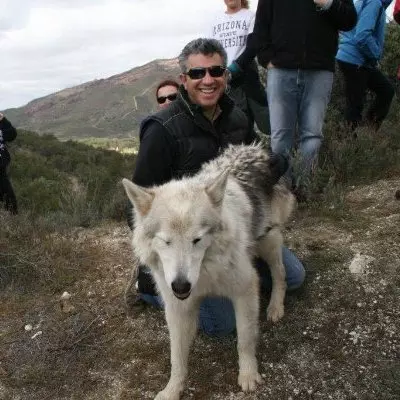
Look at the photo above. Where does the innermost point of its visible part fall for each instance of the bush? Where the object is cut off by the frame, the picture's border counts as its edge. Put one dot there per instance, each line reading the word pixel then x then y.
pixel 68 179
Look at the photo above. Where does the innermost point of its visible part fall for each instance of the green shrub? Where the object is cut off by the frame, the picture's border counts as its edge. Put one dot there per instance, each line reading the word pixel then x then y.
pixel 68 179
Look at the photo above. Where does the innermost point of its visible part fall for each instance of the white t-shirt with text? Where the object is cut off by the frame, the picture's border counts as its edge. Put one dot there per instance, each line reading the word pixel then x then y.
pixel 231 30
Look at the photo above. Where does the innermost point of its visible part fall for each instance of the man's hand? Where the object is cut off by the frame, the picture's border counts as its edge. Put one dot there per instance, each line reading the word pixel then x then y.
pixel 323 4
pixel 1 116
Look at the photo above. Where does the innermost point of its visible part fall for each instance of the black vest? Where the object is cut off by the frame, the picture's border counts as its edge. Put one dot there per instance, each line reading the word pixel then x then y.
pixel 197 139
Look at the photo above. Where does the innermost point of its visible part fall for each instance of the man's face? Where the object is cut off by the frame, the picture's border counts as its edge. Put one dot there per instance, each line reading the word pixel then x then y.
pixel 207 90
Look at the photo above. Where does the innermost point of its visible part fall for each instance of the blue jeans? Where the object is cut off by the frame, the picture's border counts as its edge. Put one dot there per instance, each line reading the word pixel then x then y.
pixel 217 315
pixel 298 99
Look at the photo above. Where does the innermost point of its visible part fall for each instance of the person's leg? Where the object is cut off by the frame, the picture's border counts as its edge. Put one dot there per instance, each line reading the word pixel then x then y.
pixel 317 86
pixel 2 177
pixel 9 197
pixel 217 316
pixel 282 93
pixel 237 93
pixel 355 82
pixel 141 288
pixel 295 272
pixel 257 98
pixel 7 192
pixel 152 299
pixel 146 288
pixel 260 114
pixel 384 93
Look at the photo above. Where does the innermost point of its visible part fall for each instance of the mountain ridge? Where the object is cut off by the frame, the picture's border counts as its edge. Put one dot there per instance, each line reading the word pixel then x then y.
pixel 106 107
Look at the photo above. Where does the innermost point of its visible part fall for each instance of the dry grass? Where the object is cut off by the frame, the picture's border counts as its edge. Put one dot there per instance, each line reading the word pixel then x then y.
pixel 338 339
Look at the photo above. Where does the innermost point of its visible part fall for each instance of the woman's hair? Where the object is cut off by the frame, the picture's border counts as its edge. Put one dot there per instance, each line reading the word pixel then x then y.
pixel 245 4
pixel 167 82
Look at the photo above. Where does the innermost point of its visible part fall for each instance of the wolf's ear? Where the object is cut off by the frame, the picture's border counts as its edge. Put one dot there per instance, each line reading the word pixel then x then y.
pixel 278 165
pixel 216 189
pixel 140 197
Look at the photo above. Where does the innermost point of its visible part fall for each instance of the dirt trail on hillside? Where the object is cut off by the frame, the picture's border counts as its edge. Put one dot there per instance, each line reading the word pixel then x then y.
pixel 339 338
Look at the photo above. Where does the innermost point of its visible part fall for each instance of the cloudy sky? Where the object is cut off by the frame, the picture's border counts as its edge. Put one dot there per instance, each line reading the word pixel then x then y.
pixel 49 45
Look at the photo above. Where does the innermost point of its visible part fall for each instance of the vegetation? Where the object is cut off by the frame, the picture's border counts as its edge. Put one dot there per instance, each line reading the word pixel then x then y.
pixel 68 181
pixel 124 145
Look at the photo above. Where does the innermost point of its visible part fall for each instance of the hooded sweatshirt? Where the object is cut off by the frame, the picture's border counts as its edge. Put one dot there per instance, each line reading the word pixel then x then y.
pixel 7 134
pixel 363 45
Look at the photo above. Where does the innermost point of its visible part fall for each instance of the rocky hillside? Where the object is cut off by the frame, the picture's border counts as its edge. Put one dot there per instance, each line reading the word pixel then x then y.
pixel 111 107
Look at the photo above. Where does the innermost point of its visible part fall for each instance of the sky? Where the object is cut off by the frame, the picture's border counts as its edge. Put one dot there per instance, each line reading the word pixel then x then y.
pixel 49 45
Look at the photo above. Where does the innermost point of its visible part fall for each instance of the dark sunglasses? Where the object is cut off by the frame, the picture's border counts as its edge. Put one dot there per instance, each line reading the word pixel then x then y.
pixel 216 71
pixel 170 97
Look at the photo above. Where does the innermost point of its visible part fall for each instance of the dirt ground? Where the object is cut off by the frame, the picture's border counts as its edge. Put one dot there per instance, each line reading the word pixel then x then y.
pixel 339 338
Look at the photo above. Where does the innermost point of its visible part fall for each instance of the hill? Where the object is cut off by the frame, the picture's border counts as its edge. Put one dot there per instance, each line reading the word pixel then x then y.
pixel 111 107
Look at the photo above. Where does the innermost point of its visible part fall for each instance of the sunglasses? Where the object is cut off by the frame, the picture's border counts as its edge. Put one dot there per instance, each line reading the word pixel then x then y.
pixel 216 71
pixel 170 97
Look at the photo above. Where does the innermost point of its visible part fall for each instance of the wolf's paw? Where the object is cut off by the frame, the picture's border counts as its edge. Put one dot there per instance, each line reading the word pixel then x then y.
pixel 275 312
pixel 170 392
pixel 249 380
pixel 167 395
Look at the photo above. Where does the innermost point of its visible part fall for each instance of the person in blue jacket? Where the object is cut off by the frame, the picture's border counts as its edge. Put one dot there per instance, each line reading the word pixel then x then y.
pixel 359 52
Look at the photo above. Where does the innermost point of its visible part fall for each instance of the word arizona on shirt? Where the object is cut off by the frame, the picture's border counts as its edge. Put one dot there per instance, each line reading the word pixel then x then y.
pixel 231 30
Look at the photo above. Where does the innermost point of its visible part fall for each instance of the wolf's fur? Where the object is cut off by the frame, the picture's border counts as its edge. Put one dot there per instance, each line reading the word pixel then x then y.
pixel 199 236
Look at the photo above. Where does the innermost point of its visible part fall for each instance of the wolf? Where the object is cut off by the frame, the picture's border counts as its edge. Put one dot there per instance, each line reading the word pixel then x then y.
pixel 199 236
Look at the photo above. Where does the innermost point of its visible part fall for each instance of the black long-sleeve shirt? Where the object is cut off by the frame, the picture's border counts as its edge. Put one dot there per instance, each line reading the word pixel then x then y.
pixel 296 34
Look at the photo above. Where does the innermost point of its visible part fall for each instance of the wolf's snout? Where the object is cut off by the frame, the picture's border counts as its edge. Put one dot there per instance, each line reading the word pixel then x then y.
pixel 181 288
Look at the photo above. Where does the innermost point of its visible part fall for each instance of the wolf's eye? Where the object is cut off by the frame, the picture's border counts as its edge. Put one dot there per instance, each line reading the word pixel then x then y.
pixel 166 241
pixel 197 240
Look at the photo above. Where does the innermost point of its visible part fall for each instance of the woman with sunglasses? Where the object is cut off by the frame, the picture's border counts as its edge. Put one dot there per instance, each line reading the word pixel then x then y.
pixel 231 28
pixel 166 92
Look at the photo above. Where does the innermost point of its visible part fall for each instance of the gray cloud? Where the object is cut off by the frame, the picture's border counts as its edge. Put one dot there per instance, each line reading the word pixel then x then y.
pixel 48 45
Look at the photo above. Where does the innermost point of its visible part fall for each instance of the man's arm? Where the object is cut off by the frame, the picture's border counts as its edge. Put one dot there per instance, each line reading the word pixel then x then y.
pixel 154 160
pixel 366 42
pixel 247 55
pixel 259 38
pixel 156 154
pixel 9 132
pixel 252 136
pixel 341 13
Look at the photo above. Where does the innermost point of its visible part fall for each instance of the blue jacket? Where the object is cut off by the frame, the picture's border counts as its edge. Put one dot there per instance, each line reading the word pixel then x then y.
pixel 363 45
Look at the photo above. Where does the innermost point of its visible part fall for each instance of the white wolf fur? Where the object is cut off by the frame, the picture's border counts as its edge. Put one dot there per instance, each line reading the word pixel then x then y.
pixel 199 236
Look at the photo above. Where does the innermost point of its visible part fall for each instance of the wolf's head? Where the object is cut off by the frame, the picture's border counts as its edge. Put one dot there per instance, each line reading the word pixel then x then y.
pixel 175 224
